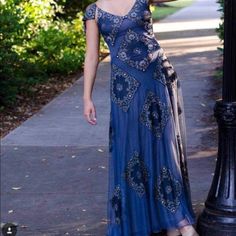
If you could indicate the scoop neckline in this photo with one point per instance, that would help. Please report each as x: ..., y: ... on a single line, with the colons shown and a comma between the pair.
x: 131, y: 9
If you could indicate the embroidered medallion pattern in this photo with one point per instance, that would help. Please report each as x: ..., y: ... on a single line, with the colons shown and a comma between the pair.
x: 159, y: 75
x: 155, y: 114
x: 110, y: 135
x: 89, y: 14
x: 134, y: 13
x: 136, y: 174
x: 136, y: 50
x: 115, y: 23
x: 116, y: 20
x: 147, y: 22
x: 168, y: 190
x: 116, y: 203
x: 167, y: 67
x: 123, y: 87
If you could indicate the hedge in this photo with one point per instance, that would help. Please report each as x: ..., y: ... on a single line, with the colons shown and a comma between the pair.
x: 39, y: 39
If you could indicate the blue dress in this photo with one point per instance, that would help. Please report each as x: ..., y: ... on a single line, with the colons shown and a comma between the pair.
x: 148, y: 188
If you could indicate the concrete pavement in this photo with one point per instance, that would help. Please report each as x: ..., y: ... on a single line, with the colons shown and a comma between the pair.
x: 54, y: 166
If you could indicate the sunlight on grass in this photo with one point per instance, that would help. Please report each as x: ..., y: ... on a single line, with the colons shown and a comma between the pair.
x: 169, y: 8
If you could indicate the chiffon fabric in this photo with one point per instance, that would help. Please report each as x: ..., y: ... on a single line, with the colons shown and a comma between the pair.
x: 148, y: 188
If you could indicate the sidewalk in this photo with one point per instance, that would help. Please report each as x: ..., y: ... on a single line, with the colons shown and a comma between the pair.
x: 54, y: 166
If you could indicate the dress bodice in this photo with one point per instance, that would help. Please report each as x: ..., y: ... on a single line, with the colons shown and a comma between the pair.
x: 130, y: 38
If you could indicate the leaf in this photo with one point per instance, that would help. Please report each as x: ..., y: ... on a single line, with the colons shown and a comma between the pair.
x: 16, y: 188
x: 103, y: 167
x: 24, y: 226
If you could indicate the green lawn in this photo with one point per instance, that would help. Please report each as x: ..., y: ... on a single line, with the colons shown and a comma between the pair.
x: 171, y: 7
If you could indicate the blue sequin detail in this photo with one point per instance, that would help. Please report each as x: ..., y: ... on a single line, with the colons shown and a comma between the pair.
x: 159, y: 74
x: 136, y: 174
x: 168, y: 190
x: 123, y: 87
x: 146, y: 46
x: 115, y: 23
x: 116, y: 203
x: 89, y: 14
x: 110, y: 135
x: 155, y: 114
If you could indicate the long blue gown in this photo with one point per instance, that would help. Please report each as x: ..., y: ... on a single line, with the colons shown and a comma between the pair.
x: 148, y: 180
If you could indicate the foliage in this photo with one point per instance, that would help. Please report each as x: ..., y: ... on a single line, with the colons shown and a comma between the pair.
x: 39, y: 38
x: 58, y: 48
x: 13, y: 69
x: 220, y: 29
x: 71, y: 7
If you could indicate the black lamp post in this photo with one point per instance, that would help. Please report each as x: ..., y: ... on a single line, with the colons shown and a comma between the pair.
x: 219, y: 216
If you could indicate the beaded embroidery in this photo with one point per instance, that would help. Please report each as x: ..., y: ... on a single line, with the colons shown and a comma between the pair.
x: 115, y: 23
x: 128, y: 50
x: 116, y: 20
x: 145, y: 18
x: 168, y: 190
x: 167, y: 68
x: 147, y: 21
x: 134, y: 13
x: 136, y: 174
x: 158, y: 72
x: 169, y: 71
x: 123, y: 87
x: 155, y: 114
x: 116, y: 203
x: 89, y: 14
x: 111, y: 134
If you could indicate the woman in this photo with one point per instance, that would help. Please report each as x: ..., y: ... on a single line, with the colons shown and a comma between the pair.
x: 148, y: 180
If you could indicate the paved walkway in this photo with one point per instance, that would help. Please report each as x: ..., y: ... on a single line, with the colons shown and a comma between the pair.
x: 54, y: 166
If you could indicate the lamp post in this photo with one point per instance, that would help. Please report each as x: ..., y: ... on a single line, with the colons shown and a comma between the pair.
x: 219, y: 215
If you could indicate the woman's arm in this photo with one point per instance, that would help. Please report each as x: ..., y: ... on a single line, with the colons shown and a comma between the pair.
x: 90, y: 68
x: 160, y: 1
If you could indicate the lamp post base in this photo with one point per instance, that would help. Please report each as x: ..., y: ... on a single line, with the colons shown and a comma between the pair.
x: 211, y: 223
x: 219, y: 216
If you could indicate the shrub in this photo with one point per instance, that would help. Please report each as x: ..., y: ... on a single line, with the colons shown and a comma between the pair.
x: 72, y: 7
x: 59, y: 48
x: 38, y: 40
x: 220, y: 29
x: 13, y: 68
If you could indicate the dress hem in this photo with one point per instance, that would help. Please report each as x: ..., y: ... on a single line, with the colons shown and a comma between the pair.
x: 141, y: 233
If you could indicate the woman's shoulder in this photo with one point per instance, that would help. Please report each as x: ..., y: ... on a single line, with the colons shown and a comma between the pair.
x: 90, y: 11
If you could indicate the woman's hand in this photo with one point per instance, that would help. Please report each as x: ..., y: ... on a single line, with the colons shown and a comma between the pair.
x: 90, y: 111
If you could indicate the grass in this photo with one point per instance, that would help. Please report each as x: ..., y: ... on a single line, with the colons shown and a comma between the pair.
x: 169, y: 8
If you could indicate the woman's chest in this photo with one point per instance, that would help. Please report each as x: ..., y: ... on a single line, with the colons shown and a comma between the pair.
x: 112, y: 26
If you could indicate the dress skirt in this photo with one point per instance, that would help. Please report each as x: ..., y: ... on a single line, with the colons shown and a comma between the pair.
x: 148, y: 181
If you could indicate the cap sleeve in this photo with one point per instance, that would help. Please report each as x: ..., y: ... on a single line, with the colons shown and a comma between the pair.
x: 89, y: 14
